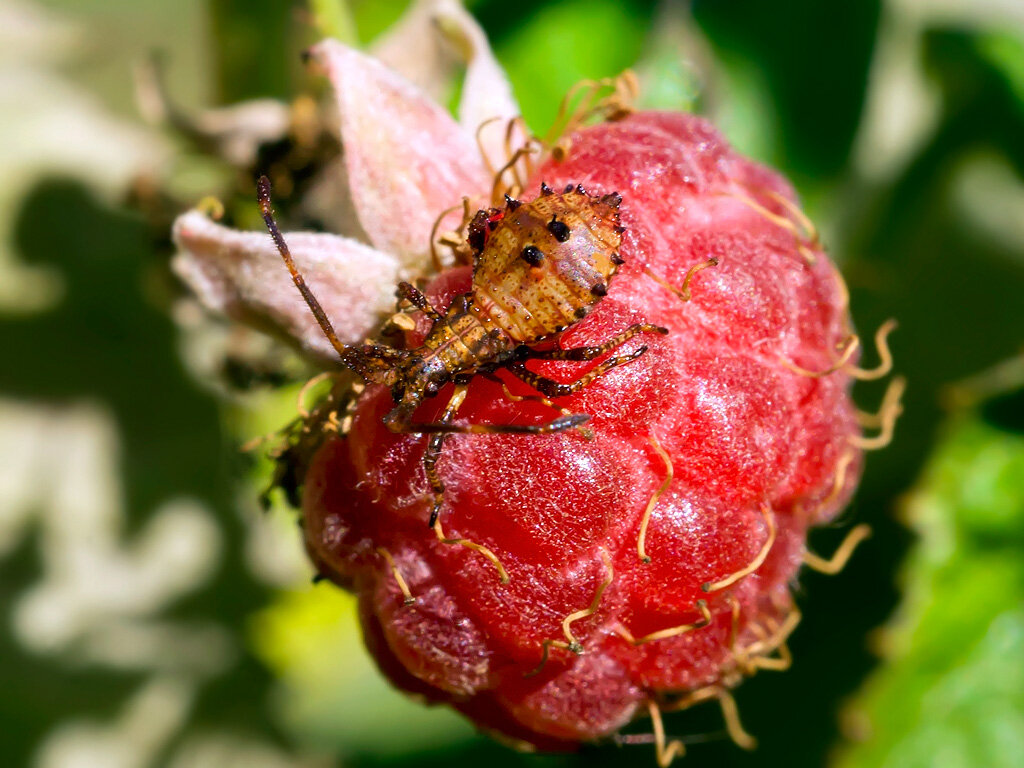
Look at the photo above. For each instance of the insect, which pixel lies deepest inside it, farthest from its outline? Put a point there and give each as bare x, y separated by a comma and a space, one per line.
538, 267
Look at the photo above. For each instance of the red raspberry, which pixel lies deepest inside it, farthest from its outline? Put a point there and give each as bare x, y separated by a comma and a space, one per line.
587, 633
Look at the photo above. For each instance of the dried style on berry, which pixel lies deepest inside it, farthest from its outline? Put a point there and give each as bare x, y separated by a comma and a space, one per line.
643, 562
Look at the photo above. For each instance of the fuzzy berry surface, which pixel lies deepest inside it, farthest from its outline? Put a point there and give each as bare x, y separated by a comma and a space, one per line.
755, 448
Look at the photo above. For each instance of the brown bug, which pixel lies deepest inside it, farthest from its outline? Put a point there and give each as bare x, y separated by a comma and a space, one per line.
538, 267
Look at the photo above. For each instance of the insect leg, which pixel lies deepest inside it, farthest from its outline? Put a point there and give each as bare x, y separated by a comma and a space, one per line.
439, 429
590, 353
433, 451
552, 388
561, 424
585, 431
520, 398
408, 292
430, 457
382, 352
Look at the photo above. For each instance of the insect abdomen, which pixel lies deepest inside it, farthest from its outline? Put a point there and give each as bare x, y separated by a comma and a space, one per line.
547, 263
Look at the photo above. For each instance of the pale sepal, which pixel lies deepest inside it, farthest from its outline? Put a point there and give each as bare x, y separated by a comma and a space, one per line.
407, 159
241, 275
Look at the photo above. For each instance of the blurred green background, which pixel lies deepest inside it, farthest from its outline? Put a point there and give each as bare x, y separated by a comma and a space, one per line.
151, 615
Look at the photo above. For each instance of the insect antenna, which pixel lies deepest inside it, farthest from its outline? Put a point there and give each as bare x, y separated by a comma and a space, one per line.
351, 357
263, 196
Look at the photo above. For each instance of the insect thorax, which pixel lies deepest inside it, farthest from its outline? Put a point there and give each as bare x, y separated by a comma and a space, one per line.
460, 342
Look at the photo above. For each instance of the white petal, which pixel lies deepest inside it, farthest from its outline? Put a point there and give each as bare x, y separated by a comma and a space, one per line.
329, 200
241, 275
486, 92
424, 46
407, 158
412, 47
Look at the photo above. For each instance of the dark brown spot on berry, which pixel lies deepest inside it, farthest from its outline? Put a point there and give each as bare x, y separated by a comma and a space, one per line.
532, 255
545, 189
559, 229
599, 289
568, 189
580, 313
618, 260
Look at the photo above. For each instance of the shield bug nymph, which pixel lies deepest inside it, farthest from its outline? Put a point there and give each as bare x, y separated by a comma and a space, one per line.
538, 268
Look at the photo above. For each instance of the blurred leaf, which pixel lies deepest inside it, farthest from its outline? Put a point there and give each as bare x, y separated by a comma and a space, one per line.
951, 691
1005, 52
333, 18
745, 112
679, 71
676, 68
121, 355
252, 52
332, 694
40, 102
550, 50
810, 60
373, 17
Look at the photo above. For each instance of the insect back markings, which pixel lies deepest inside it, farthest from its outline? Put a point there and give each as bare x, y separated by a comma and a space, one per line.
514, 303
546, 263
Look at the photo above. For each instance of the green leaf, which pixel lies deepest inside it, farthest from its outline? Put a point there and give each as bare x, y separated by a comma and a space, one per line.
951, 689
559, 45
333, 18
373, 17
1005, 52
